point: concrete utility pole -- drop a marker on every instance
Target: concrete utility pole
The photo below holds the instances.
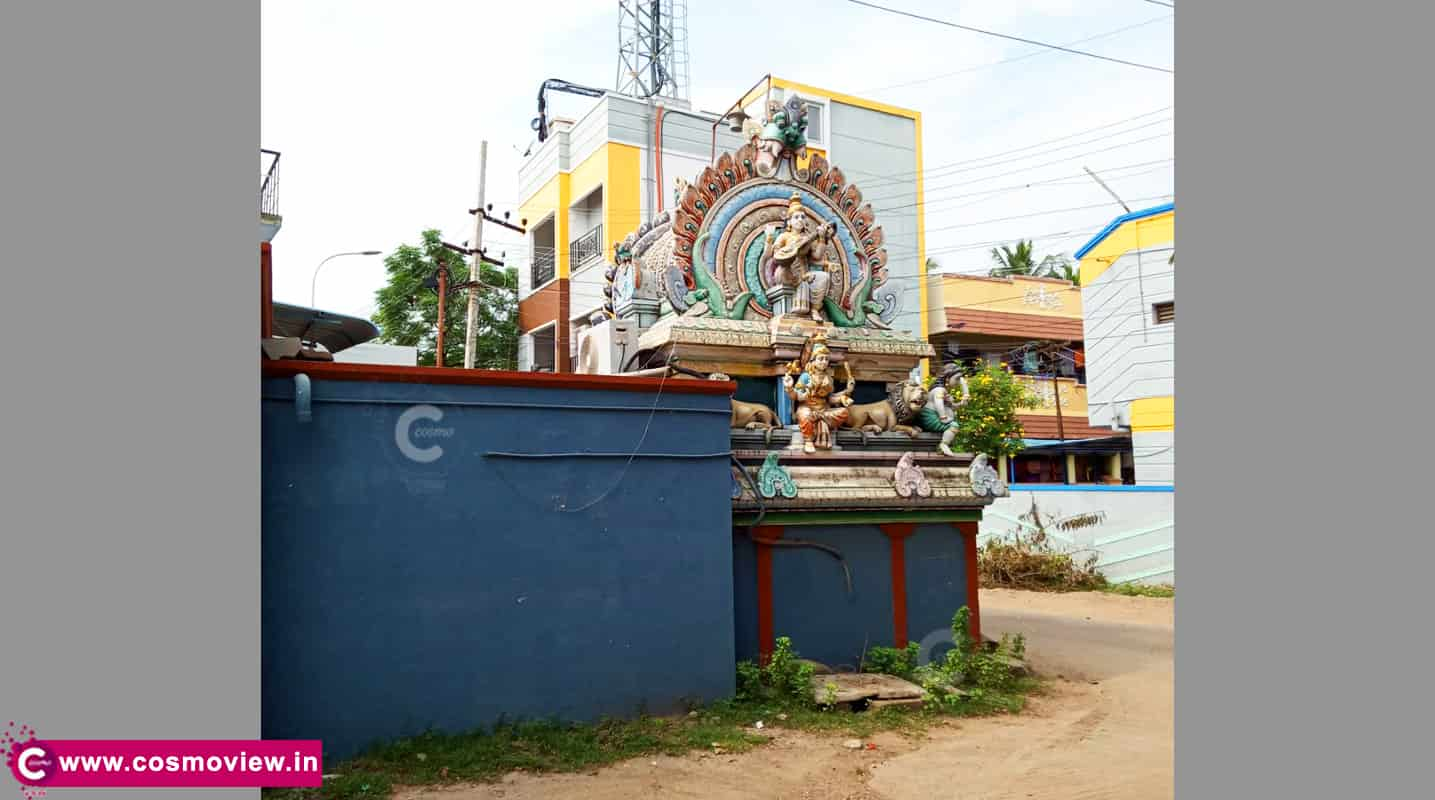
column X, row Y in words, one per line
column 470, row 343
column 442, row 302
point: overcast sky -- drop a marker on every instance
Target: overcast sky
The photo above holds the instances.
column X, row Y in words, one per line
column 378, row 108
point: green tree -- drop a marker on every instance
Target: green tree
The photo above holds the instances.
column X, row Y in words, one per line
column 1013, row 261
column 1059, row 267
column 407, row 311
column 987, row 422
column 1021, row 260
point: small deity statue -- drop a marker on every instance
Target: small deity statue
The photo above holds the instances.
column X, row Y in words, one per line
column 798, row 257
column 819, row 409
column 939, row 415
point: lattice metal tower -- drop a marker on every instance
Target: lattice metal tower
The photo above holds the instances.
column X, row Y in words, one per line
column 653, row 48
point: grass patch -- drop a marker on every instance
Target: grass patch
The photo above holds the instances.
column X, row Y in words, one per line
column 779, row 694
column 1140, row 589
column 438, row 758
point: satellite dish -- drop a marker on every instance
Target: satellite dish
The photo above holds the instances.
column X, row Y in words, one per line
column 535, row 124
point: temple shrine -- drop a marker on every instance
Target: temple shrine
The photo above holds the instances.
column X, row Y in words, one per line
column 854, row 521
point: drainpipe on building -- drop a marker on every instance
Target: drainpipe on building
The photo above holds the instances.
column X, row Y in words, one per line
column 652, row 169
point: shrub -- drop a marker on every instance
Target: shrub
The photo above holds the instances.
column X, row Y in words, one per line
column 969, row 672
column 892, row 661
column 785, row 677
column 1029, row 560
column 987, row 422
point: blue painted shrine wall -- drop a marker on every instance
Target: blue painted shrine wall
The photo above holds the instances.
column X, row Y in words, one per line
column 812, row 606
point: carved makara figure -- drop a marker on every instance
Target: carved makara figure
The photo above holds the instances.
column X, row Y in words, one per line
column 820, row 409
column 798, row 257
column 783, row 136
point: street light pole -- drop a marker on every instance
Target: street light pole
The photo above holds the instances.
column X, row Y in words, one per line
column 314, row 284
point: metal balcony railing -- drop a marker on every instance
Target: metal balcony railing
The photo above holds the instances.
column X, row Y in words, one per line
column 587, row 247
column 269, row 182
column 542, row 268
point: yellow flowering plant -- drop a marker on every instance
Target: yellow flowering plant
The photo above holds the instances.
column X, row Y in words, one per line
column 987, row 423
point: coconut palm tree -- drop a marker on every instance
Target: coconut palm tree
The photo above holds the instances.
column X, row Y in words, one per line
column 1021, row 260
column 1013, row 261
column 1059, row 267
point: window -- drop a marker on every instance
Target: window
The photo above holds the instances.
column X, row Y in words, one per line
column 544, row 348
column 1165, row 313
column 542, row 264
column 815, row 132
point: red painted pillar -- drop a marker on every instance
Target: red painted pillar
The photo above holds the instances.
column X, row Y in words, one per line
column 968, row 531
column 563, row 329
column 765, row 636
column 266, row 291
column 897, row 533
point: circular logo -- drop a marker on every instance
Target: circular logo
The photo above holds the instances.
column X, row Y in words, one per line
column 934, row 646
column 420, row 442
column 34, row 763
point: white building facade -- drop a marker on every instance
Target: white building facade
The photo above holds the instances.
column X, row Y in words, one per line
column 1128, row 295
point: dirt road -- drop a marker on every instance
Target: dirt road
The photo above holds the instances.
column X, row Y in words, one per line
column 1103, row 729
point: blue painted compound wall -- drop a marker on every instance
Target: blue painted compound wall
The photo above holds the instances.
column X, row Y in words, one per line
column 402, row 595
column 811, row 605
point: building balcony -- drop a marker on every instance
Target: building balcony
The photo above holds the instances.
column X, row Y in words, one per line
column 1071, row 393
column 543, row 268
column 269, row 219
column 587, row 248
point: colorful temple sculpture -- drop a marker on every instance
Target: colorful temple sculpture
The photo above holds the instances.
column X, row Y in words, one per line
column 770, row 270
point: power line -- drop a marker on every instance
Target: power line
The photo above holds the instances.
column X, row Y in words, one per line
column 1012, row 38
column 898, row 177
column 1023, row 169
column 635, row 219
column 1159, row 3
column 1043, row 213
column 1032, row 54
column 927, row 201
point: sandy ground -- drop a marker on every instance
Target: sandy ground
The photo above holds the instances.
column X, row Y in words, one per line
column 1102, row 729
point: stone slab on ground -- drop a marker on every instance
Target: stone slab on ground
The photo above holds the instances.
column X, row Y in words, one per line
column 901, row 702
column 856, row 687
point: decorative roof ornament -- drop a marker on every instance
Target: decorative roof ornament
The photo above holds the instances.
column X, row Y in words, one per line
column 747, row 240
column 909, row 479
column 772, row 479
column 985, row 480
